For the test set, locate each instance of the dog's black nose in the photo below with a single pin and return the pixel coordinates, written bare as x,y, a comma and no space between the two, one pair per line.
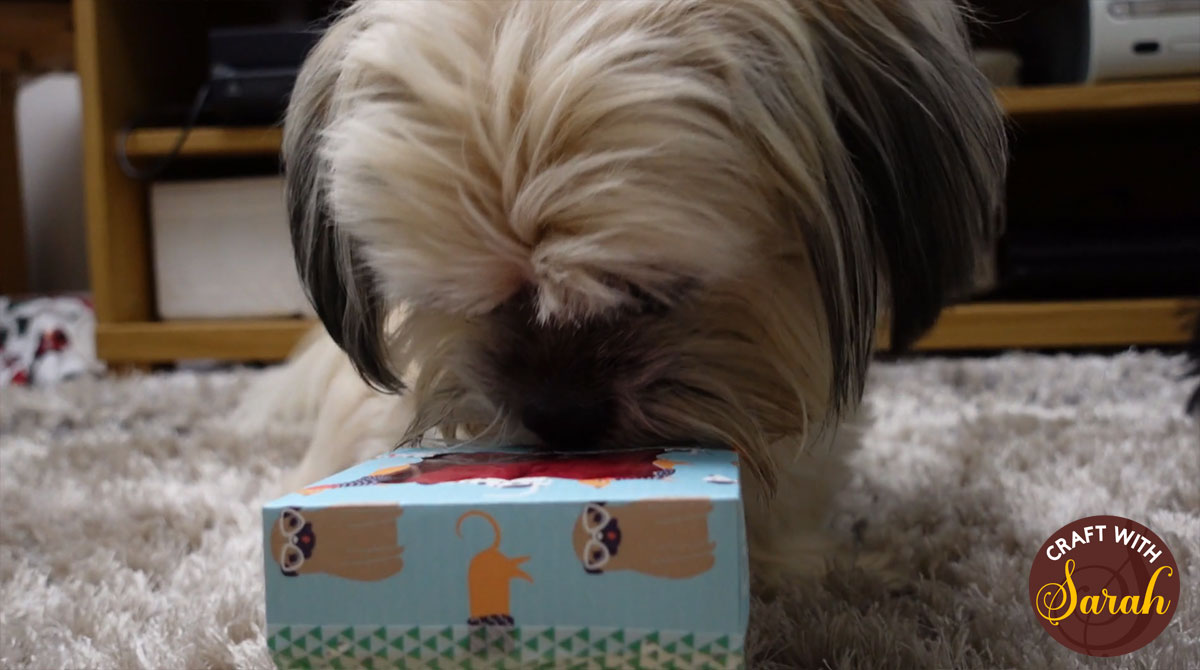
563,422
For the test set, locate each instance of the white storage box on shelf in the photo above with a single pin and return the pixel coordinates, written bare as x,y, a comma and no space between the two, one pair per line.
222,250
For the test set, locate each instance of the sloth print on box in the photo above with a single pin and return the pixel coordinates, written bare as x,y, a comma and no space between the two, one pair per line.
358,543
661,538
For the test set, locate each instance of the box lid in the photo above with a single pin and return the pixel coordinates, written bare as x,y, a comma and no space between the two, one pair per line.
524,476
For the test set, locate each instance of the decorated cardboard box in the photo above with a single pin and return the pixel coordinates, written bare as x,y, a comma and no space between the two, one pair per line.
509,558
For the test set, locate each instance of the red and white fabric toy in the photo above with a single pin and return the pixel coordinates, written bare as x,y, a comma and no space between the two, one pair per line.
45,340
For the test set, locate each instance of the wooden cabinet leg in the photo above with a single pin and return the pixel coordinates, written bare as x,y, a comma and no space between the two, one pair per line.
14,267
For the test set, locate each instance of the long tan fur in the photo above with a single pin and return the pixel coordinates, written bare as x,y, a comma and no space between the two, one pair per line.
680,216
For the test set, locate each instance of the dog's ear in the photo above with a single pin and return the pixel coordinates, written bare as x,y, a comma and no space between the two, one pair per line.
337,281
889,152
926,141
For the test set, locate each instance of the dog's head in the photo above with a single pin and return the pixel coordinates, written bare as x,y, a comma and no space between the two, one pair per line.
630,222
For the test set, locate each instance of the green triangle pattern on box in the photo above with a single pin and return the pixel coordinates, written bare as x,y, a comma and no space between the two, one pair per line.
500,648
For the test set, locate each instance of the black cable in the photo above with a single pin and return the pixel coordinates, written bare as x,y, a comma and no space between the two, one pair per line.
147,174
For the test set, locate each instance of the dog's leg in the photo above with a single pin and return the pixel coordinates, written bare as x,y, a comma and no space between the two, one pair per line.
295,390
352,421
789,532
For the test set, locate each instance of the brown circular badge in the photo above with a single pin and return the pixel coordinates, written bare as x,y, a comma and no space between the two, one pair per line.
1104,586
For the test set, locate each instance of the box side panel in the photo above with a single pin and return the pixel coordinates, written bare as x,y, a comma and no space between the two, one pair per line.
269,519
653,564
743,596
528,583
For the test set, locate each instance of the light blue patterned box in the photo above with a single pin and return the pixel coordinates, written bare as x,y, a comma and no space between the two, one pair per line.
510,558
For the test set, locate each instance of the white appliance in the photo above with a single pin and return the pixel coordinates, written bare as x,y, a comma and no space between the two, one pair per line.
1091,41
1143,38
222,249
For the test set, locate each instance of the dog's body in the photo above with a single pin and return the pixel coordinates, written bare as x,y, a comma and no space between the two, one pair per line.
612,224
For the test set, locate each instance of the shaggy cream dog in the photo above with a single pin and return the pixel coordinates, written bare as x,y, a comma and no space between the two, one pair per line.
605,224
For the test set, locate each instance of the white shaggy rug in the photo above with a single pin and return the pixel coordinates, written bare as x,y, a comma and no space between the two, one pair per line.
129,533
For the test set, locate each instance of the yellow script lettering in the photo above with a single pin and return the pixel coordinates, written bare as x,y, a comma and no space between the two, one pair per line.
1056,602
1129,605
1163,604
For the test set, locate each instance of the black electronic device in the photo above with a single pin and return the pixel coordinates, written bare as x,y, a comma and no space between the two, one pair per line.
252,71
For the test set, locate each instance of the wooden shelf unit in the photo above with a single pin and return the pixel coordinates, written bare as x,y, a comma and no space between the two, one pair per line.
1068,325
162,341
1033,101
1019,102
132,54
206,142
221,339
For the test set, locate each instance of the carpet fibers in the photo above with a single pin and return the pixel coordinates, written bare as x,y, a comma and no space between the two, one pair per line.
129,527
